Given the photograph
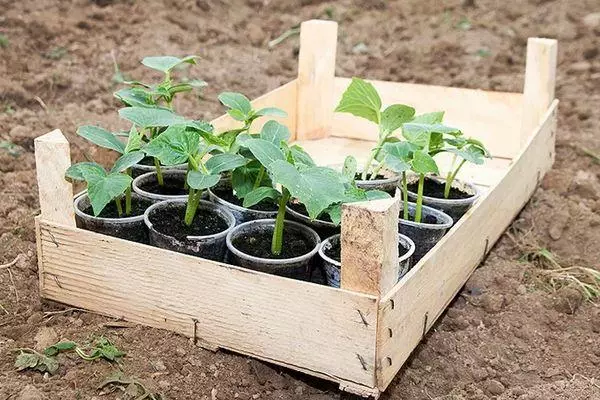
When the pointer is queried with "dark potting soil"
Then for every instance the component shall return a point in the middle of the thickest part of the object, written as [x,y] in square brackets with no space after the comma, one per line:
[425,219]
[435,189]
[169,221]
[358,177]
[258,244]
[227,195]
[173,186]
[300,208]
[149,161]
[138,207]
[335,250]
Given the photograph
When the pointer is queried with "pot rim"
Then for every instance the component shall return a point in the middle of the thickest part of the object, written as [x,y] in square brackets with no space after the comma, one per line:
[467,200]
[221,201]
[447,220]
[273,261]
[307,219]
[401,238]
[394,178]
[151,168]
[83,195]
[203,204]
[141,192]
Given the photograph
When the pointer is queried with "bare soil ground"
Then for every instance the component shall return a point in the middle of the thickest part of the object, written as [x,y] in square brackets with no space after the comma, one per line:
[506,336]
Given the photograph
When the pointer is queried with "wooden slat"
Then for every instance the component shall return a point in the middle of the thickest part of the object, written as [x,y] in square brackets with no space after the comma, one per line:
[283,97]
[415,303]
[311,328]
[316,74]
[52,158]
[370,246]
[493,117]
[540,81]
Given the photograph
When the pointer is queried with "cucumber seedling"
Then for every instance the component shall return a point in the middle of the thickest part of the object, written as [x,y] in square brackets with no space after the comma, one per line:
[467,150]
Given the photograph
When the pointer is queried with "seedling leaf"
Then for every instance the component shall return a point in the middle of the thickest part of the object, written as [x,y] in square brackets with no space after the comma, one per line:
[259,194]
[423,163]
[174,146]
[394,116]
[300,156]
[101,137]
[85,171]
[362,100]
[127,160]
[271,112]
[134,97]
[237,102]
[58,347]
[167,63]
[224,162]
[151,117]
[275,132]
[264,151]
[198,180]
[350,167]
[435,117]
[102,191]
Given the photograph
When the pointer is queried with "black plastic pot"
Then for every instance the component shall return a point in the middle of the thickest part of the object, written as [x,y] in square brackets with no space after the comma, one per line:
[146,185]
[425,234]
[324,228]
[211,246]
[147,165]
[241,214]
[332,267]
[455,208]
[388,183]
[130,228]
[298,267]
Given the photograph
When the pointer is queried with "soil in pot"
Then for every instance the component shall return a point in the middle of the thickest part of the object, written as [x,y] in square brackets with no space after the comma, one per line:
[461,197]
[223,194]
[147,165]
[172,186]
[249,246]
[322,225]
[129,227]
[227,195]
[205,237]
[425,234]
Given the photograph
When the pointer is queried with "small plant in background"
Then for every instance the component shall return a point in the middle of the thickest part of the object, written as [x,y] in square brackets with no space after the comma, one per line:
[31,359]
[13,149]
[4,42]
[467,150]
[131,386]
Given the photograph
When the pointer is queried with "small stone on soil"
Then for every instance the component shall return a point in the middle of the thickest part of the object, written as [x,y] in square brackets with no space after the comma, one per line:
[494,387]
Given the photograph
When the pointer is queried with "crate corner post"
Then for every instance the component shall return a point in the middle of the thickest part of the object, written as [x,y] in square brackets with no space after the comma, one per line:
[540,83]
[370,246]
[316,75]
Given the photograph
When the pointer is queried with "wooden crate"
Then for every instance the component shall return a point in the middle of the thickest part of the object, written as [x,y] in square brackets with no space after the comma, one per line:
[360,335]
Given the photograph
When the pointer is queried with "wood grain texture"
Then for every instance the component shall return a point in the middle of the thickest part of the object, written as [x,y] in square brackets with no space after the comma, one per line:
[52,158]
[370,246]
[540,81]
[493,117]
[414,304]
[311,328]
[283,97]
[316,74]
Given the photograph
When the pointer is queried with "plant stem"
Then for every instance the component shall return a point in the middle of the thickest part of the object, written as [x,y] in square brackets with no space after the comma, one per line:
[128,196]
[259,177]
[419,198]
[405,195]
[159,175]
[376,170]
[192,205]
[277,242]
[119,207]
[450,179]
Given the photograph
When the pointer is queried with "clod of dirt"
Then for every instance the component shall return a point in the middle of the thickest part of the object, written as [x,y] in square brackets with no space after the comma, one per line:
[45,337]
[30,392]
[592,20]
[586,185]
[558,223]
[492,303]
[494,387]
[567,300]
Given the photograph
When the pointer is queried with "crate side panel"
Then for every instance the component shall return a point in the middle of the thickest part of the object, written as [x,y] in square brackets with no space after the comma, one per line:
[302,325]
[415,303]
[493,117]
[283,97]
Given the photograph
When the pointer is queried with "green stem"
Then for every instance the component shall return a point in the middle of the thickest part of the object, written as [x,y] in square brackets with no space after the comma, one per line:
[405,195]
[119,207]
[159,175]
[419,198]
[277,242]
[259,177]
[192,206]
[128,196]
[450,179]
[376,170]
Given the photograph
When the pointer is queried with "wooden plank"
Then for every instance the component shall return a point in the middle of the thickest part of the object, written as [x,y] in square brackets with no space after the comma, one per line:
[52,158]
[316,73]
[370,246]
[493,117]
[283,97]
[540,81]
[311,328]
[414,304]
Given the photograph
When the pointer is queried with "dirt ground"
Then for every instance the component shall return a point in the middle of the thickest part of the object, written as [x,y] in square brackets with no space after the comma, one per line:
[506,336]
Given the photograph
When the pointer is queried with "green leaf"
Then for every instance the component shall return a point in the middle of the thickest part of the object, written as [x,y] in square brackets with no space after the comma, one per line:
[85,171]
[236,101]
[224,162]
[349,168]
[151,117]
[134,97]
[377,195]
[26,360]
[198,180]
[259,194]
[101,137]
[275,132]
[423,163]
[271,112]
[167,63]
[58,347]
[103,191]
[394,116]
[471,154]
[134,140]
[398,155]
[362,100]
[242,178]
[264,151]
[300,156]
[127,160]
[429,118]
[237,115]
[174,146]
[197,83]
[315,187]
[50,364]
[417,134]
